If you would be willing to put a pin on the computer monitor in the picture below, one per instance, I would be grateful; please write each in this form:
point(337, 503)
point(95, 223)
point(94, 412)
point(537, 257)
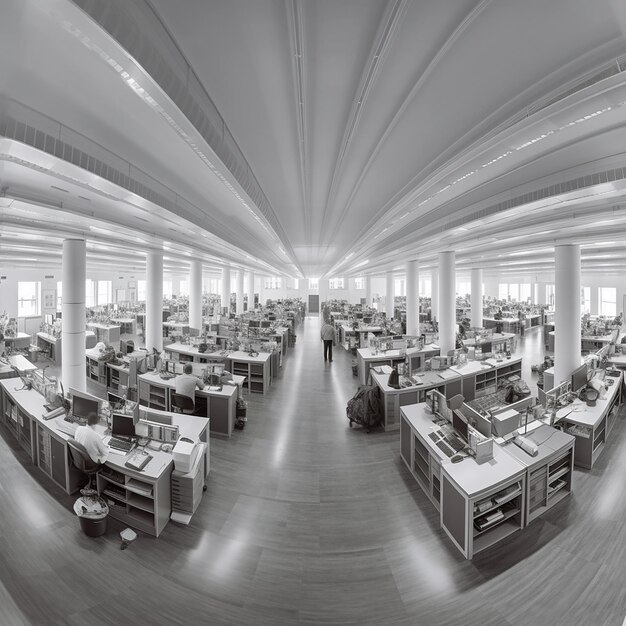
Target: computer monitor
point(122, 425)
point(170, 367)
point(114, 399)
point(579, 378)
point(459, 423)
point(254, 324)
point(194, 332)
point(265, 323)
point(358, 316)
point(413, 360)
point(82, 407)
point(59, 314)
point(486, 347)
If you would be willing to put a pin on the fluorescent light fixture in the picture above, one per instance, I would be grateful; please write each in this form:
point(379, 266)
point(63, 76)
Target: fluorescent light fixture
point(361, 264)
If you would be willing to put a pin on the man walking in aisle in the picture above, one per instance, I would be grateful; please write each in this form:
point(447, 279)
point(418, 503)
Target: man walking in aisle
point(328, 337)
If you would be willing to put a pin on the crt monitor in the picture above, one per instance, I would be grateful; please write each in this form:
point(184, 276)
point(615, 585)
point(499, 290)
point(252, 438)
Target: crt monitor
point(254, 324)
point(413, 360)
point(122, 425)
point(367, 320)
point(579, 378)
point(83, 407)
point(459, 423)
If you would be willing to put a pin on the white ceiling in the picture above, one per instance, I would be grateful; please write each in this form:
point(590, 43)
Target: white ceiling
point(378, 131)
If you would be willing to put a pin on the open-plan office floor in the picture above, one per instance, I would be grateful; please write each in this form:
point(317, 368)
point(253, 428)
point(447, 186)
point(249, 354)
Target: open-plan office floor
point(307, 521)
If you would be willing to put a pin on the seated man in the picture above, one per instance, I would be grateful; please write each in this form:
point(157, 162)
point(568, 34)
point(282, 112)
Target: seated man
point(186, 384)
point(91, 440)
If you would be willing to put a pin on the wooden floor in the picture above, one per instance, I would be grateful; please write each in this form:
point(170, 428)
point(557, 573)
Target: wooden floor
point(307, 521)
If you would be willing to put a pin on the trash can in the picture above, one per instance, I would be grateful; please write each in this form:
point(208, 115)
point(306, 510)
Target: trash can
point(92, 513)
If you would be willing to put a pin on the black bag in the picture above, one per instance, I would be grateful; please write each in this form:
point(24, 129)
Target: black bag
point(394, 379)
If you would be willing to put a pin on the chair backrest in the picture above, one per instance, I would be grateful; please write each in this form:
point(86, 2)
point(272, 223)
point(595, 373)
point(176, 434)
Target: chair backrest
point(81, 458)
point(184, 403)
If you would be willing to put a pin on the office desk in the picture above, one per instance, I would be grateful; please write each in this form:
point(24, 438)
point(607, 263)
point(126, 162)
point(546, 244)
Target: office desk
point(175, 328)
point(20, 341)
point(366, 359)
point(187, 353)
point(549, 474)
point(395, 399)
point(591, 425)
point(21, 363)
point(457, 489)
point(509, 324)
point(360, 334)
point(472, 379)
point(221, 406)
point(128, 325)
point(146, 500)
point(256, 369)
point(107, 333)
point(497, 339)
point(50, 345)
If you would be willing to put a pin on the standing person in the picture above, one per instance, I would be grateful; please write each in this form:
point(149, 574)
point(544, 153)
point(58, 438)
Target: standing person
point(328, 337)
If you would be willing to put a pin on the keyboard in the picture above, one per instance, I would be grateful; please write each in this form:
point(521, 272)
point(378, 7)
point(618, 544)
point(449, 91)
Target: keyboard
point(121, 444)
point(455, 443)
point(445, 448)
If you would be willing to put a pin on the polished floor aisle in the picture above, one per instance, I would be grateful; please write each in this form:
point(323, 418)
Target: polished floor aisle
point(306, 521)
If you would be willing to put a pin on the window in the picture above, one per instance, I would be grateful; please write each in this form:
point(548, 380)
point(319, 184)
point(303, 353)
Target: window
point(524, 292)
point(28, 299)
point(167, 288)
point(514, 292)
point(105, 292)
point(359, 283)
point(427, 287)
point(214, 286)
point(59, 295)
point(90, 293)
point(296, 283)
point(335, 283)
point(314, 284)
point(184, 287)
point(585, 300)
point(608, 301)
point(463, 288)
point(272, 282)
point(503, 291)
point(141, 290)
point(550, 295)
point(398, 287)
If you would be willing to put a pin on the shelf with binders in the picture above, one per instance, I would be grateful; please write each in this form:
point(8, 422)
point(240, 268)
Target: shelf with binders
point(96, 370)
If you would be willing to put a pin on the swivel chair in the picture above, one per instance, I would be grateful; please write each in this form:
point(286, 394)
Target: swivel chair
point(82, 461)
point(182, 404)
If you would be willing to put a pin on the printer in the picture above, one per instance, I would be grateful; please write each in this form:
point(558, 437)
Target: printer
point(184, 454)
point(505, 422)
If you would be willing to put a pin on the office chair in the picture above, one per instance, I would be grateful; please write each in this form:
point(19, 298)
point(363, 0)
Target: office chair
point(82, 461)
point(182, 404)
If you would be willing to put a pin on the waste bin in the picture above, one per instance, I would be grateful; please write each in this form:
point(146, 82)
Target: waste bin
point(92, 513)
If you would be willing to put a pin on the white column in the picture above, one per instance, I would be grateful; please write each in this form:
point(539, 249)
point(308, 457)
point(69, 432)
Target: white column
point(239, 293)
point(412, 299)
point(567, 311)
point(476, 298)
point(225, 290)
point(250, 291)
point(447, 302)
point(434, 294)
point(154, 301)
point(73, 318)
point(389, 293)
point(368, 290)
point(195, 295)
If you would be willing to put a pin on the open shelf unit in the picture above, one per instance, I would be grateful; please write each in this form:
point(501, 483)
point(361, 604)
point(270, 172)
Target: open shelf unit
point(141, 503)
point(96, 370)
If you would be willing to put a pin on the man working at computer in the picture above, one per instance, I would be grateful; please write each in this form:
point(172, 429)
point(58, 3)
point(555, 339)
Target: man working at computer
point(91, 440)
point(186, 384)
